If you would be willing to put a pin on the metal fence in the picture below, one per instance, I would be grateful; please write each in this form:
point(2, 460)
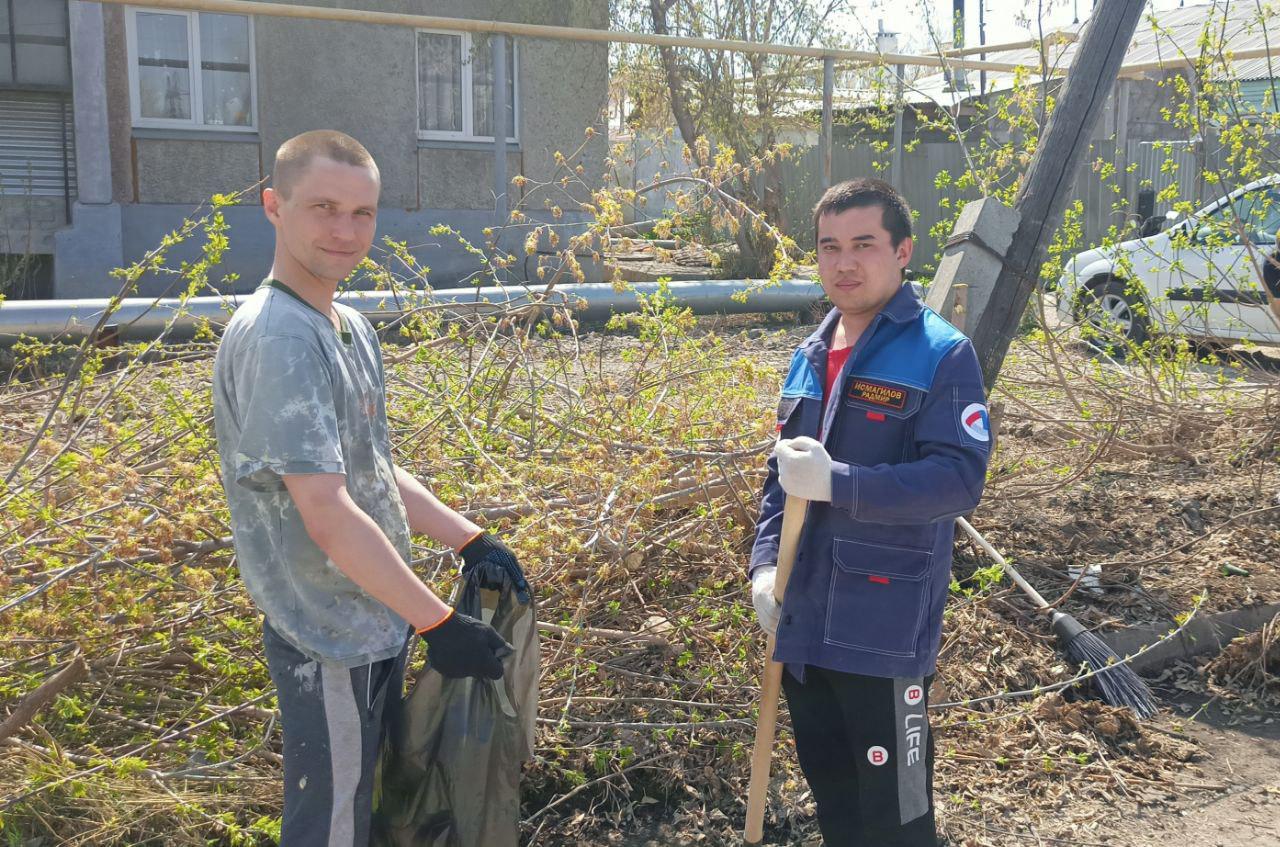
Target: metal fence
point(1114, 202)
point(920, 184)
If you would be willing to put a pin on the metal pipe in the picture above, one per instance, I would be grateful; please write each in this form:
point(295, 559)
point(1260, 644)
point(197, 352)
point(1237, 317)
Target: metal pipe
point(1060, 37)
point(899, 109)
point(828, 89)
point(362, 16)
point(499, 120)
point(141, 318)
point(982, 40)
point(959, 81)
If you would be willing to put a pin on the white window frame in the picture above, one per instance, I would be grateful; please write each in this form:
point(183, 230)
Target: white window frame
point(468, 85)
point(196, 121)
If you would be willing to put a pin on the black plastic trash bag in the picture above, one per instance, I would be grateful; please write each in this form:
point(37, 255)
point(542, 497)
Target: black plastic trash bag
point(449, 772)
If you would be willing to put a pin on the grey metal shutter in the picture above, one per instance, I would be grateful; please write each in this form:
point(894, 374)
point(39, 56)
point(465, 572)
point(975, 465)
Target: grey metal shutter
point(37, 144)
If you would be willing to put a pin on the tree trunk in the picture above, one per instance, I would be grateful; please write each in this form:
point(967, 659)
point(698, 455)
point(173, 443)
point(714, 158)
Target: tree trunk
point(675, 80)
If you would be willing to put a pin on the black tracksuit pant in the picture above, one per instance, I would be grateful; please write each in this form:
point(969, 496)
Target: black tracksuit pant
point(865, 748)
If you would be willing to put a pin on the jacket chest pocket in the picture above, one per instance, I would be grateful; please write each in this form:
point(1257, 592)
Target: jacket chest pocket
point(878, 597)
point(876, 421)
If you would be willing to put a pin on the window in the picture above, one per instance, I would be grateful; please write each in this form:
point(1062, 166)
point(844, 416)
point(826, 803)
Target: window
point(455, 86)
point(191, 70)
point(1255, 213)
point(1260, 215)
point(33, 44)
point(1259, 95)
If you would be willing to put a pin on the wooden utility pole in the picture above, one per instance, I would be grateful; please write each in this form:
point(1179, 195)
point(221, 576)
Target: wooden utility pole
point(1047, 185)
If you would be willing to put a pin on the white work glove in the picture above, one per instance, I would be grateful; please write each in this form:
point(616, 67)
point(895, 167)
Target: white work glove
point(767, 608)
point(804, 468)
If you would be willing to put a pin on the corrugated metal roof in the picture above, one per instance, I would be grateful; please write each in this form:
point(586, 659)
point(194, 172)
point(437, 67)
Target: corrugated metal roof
point(1171, 36)
point(1259, 68)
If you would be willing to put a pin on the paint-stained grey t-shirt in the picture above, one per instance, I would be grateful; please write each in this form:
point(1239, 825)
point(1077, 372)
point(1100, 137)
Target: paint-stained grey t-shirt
point(292, 395)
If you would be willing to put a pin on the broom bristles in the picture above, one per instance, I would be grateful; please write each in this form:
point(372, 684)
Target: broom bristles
point(1119, 685)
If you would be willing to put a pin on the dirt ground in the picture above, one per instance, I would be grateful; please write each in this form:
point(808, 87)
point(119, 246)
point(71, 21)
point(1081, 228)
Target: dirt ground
point(1236, 802)
point(1244, 759)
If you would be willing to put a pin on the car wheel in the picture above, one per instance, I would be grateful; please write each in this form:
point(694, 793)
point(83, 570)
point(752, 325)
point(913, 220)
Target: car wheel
point(1114, 315)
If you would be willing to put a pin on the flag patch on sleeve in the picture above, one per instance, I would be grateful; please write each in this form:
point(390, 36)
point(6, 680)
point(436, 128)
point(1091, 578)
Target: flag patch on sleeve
point(975, 423)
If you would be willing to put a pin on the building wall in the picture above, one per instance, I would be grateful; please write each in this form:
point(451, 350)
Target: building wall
point(357, 78)
point(1147, 99)
point(27, 223)
point(192, 171)
point(360, 79)
point(460, 179)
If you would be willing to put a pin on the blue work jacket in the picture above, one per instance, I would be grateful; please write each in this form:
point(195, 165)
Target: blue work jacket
point(908, 435)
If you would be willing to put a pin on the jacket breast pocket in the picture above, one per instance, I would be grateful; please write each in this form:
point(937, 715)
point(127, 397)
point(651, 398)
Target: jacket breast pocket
point(878, 597)
point(876, 422)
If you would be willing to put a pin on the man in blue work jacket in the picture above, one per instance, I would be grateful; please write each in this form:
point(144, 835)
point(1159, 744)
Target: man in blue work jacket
point(883, 428)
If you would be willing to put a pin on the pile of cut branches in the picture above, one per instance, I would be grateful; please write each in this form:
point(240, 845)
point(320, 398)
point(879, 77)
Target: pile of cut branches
point(624, 467)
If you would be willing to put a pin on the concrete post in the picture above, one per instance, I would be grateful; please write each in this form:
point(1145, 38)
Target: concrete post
point(89, 92)
point(887, 42)
point(86, 252)
point(972, 262)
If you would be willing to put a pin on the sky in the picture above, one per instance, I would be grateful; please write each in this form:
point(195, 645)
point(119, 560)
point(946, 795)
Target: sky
point(1006, 20)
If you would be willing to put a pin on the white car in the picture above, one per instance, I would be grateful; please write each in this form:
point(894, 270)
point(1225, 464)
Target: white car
point(1199, 278)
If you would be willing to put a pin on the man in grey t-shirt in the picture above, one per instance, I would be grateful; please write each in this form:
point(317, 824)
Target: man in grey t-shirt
point(320, 514)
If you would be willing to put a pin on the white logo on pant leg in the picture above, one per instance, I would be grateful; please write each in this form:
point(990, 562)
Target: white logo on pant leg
point(877, 755)
point(914, 726)
point(975, 423)
point(913, 695)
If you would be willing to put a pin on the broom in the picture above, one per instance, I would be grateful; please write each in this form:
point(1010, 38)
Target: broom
point(1119, 685)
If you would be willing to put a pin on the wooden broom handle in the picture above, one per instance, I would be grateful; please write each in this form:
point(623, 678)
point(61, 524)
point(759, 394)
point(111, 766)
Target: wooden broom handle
point(771, 680)
point(1013, 574)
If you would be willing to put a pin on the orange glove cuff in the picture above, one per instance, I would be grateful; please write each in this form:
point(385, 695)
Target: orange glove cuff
point(464, 544)
point(426, 629)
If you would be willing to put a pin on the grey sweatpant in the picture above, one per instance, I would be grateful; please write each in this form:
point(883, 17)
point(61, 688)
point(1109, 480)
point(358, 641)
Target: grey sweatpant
point(333, 719)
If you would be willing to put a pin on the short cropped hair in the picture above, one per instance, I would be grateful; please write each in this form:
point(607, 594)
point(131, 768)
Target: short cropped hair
point(296, 154)
point(861, 193)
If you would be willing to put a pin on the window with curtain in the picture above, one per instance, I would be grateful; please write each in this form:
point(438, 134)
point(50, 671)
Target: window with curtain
point(482, 67)
point(191, 69)
point(455, 86)
point(439, 82)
